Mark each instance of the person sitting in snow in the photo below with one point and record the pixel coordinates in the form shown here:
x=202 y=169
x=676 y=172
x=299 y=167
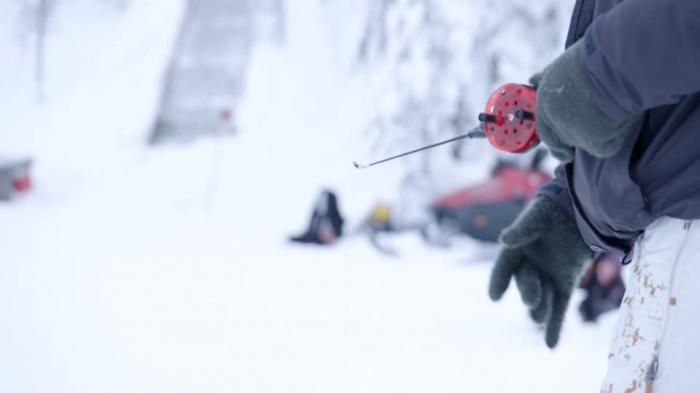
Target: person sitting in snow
x=603 y=286
x=620 y=108
x=326 y=223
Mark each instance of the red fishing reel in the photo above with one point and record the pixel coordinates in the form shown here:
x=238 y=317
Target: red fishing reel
x=509 y=119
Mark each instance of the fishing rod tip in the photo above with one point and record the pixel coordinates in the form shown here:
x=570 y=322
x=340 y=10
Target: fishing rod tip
x=358 y=165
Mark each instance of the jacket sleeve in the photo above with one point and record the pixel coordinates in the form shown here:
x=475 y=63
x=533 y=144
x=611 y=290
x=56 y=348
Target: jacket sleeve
x=643 y=54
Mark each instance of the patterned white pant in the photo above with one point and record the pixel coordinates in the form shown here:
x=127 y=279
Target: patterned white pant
x=656 y=345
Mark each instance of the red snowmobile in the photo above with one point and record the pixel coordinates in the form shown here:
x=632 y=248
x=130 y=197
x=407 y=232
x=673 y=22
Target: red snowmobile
x=483 y=210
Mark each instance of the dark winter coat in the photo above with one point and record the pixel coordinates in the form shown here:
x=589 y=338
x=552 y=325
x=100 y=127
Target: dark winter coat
x=643 y=57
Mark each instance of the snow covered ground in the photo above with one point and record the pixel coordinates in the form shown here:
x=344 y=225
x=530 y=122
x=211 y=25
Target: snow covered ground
x=137 y=269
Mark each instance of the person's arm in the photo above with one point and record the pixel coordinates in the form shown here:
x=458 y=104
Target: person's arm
x=643 y=54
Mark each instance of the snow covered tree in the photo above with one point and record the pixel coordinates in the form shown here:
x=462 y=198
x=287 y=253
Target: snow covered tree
x=34 y=17
x=270 y=19
x=120 y=5
x=440 y=60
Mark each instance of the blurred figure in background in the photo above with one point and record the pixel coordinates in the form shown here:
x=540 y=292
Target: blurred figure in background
x=604 y=287
x=326 y=224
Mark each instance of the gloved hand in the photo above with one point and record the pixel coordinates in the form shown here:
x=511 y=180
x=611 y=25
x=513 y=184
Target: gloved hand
x=545 y=253
x=567 y=118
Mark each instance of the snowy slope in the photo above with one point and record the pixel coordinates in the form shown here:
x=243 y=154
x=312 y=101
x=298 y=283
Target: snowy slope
x=166 y=270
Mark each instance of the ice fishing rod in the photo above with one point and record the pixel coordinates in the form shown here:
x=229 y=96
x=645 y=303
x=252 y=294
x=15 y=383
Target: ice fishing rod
x=508 y=123
x=475 y=133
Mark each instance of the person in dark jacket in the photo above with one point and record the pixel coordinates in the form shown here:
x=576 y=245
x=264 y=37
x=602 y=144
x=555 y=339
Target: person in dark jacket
x=620 y=108
x=603 y=286
x=326 y=223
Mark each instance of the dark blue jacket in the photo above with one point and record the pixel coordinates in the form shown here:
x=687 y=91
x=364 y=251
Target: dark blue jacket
x=643 y=57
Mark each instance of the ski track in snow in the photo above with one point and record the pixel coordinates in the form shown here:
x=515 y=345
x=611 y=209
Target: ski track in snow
x=121 y=273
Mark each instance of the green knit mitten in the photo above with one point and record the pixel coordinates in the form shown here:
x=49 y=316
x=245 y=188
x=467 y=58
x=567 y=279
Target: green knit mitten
x=567 y=118
x=545 y=253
